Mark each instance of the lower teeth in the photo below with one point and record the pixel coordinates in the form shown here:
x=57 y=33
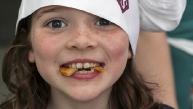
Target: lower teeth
x=85 y=72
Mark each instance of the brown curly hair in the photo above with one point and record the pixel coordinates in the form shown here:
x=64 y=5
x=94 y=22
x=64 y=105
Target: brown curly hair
x=30 y=91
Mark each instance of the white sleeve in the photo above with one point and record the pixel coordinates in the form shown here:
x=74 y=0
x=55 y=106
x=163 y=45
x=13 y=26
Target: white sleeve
x=160 y=15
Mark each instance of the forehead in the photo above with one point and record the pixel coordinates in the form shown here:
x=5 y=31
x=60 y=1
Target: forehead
x=48 y=9
x=52 y=9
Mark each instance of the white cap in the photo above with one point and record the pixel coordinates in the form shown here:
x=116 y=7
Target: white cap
x=124 y=13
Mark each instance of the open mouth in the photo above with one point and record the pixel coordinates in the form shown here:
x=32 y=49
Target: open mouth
x=81 y=68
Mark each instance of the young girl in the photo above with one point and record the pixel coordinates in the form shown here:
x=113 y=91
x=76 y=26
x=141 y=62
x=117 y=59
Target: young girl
x=67 y=55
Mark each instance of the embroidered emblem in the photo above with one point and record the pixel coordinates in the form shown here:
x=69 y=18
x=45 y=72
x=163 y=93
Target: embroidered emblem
x=124 y=4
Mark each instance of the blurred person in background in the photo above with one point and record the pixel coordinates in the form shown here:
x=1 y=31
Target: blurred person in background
x=181 y=46
x=154 y=61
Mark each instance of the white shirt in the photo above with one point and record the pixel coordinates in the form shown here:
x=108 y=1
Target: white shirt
x=182 y=44
x=161 y=15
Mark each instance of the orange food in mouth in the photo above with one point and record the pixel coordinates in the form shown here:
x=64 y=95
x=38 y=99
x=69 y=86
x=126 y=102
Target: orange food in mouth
x=70 y=71
x=98 y=68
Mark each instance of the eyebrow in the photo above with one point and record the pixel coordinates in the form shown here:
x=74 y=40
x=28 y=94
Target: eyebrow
x=54 y=9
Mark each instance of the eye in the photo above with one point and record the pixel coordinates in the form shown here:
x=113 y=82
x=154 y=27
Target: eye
x=57 y=24
x=103 y=22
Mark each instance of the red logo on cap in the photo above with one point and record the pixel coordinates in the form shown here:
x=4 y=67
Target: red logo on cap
x=124 y=4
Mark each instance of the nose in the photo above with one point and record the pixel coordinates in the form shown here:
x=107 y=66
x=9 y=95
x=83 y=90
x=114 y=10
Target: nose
x=82 y=39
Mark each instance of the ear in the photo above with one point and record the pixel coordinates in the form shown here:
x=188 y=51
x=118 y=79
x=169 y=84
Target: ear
x=31 y=57
x=129 y=54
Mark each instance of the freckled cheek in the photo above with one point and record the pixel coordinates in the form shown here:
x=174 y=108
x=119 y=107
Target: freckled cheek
x=120 y=53
x=118 y=47
x=45 y=47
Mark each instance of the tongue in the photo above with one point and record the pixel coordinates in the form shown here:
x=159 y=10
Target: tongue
x=86 y=69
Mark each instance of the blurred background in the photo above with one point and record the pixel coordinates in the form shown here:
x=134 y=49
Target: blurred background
x=8 y=17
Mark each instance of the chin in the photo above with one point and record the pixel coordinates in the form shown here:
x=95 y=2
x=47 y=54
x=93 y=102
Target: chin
x=90 y=94
x=84 y=96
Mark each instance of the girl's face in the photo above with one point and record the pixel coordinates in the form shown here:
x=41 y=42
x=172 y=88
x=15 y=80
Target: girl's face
x=63 y=36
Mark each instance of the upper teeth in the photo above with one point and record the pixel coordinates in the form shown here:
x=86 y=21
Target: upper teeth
x=83 y=65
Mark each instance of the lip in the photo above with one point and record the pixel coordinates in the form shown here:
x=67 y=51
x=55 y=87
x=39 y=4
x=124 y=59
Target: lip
x=82 y=61
x=85 y=76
